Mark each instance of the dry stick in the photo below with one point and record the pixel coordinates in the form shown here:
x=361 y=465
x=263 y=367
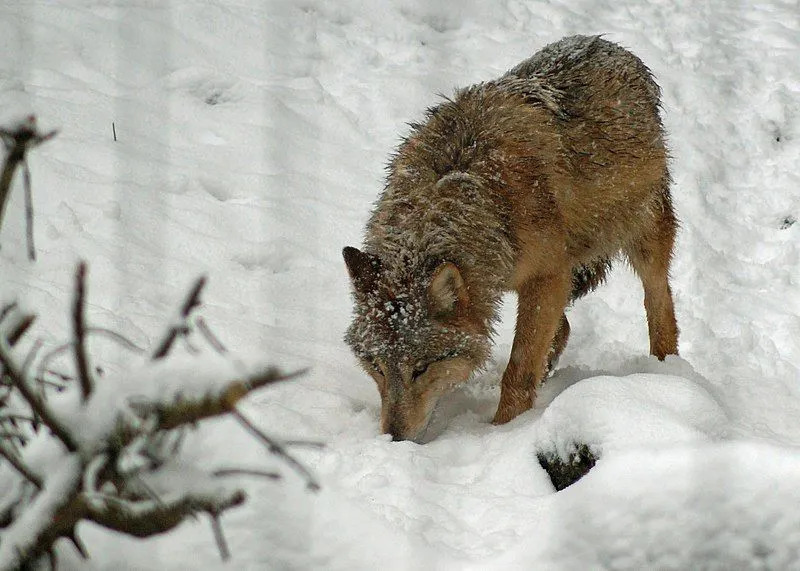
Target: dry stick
x=79 y=546
x=14 y=460
x=12 y=160
x=304 y=443
x=37 y=405
x=192 y=301
x=114 y=336
x=222 y=472
x=26 y=172
x=8 y=308
x=219 y=537
x=17 y=143
x=79 y=326
x=212 y=339
x=276 y=449
x=31 y=356
x=19 y=329
x=57 y=351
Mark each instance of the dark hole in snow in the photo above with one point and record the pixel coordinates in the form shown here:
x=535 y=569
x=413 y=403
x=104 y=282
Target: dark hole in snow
x=788 y=221
x=564 y=474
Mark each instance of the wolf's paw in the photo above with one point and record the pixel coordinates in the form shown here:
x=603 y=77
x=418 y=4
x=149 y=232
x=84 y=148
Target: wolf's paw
x=506 y=413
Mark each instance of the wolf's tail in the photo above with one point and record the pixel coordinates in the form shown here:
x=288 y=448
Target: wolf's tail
x=587 y=277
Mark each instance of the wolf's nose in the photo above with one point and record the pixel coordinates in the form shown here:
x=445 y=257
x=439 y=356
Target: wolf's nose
x=397 y=437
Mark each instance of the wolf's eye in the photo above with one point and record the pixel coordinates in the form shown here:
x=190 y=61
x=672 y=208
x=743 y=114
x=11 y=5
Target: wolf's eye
x=419 y=370
x=449 y=355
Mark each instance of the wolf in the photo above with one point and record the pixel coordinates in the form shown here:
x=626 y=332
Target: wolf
x=534 y=183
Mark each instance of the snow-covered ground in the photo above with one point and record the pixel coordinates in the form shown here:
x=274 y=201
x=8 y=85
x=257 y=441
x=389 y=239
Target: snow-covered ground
x=252 y=138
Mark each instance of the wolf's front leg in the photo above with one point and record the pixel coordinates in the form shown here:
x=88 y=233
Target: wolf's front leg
x=540 y=306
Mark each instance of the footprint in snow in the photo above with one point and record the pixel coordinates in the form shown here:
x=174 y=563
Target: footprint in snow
x=215 y=188
x=207 y=86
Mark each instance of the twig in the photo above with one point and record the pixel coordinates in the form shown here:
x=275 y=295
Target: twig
x=31 y=356
x=149 y=490
x=49 y=356
x=37 y=405
x=17 y=143
x=276 y=449
x=118 y=337
x=79 y=546
x=14 y=460
x=304 y=443
x=8 y=308
x=20 y=329
x=54 y=353
x=79 y=328
x=212 y=339
x=222 y=472
x=26 y=177
x=219 y=537
x=192 y=301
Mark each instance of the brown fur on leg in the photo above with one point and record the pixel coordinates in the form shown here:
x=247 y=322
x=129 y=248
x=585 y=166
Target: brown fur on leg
x=650 y=257
x=559 y=343
x=540 y=309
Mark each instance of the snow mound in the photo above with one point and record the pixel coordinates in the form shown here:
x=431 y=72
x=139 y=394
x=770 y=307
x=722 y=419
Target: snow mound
x=616 y=413
x=711 y=506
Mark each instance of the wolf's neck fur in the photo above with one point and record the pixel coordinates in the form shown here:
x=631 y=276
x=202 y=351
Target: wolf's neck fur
x=447 y=193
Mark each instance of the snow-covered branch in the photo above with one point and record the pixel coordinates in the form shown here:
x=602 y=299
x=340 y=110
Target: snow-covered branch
x=107 y=448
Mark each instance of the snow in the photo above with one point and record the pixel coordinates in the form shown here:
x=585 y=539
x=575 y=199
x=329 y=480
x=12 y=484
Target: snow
x=251 y=142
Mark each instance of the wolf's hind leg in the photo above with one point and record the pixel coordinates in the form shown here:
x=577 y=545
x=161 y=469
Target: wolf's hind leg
x=650 y=257
x=540 y=310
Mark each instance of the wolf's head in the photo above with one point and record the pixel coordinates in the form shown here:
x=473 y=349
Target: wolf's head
x=414 y=334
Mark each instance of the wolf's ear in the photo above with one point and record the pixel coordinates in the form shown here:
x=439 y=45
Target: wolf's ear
x=447 y=290
x=362 y=267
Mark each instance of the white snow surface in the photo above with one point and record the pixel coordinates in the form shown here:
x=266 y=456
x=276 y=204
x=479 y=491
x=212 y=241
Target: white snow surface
x=251 y=142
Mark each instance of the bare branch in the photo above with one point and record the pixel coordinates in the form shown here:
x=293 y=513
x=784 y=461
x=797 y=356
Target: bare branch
x=275 y=448
x=222 y=472
x=192 y=301
x=304 y=443
x=212 y=339
x=17 y=143
x=7 y=309
x=114 y=336
x=49 y=356
x=20 y=329
x=31 y=356
x=79 y=328
x=37 y=405
x=219 y=537
x=26 y=177
x=20 y=467
x=79 y=546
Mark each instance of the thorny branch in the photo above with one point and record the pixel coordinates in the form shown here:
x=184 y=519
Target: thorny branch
x=107 y=484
